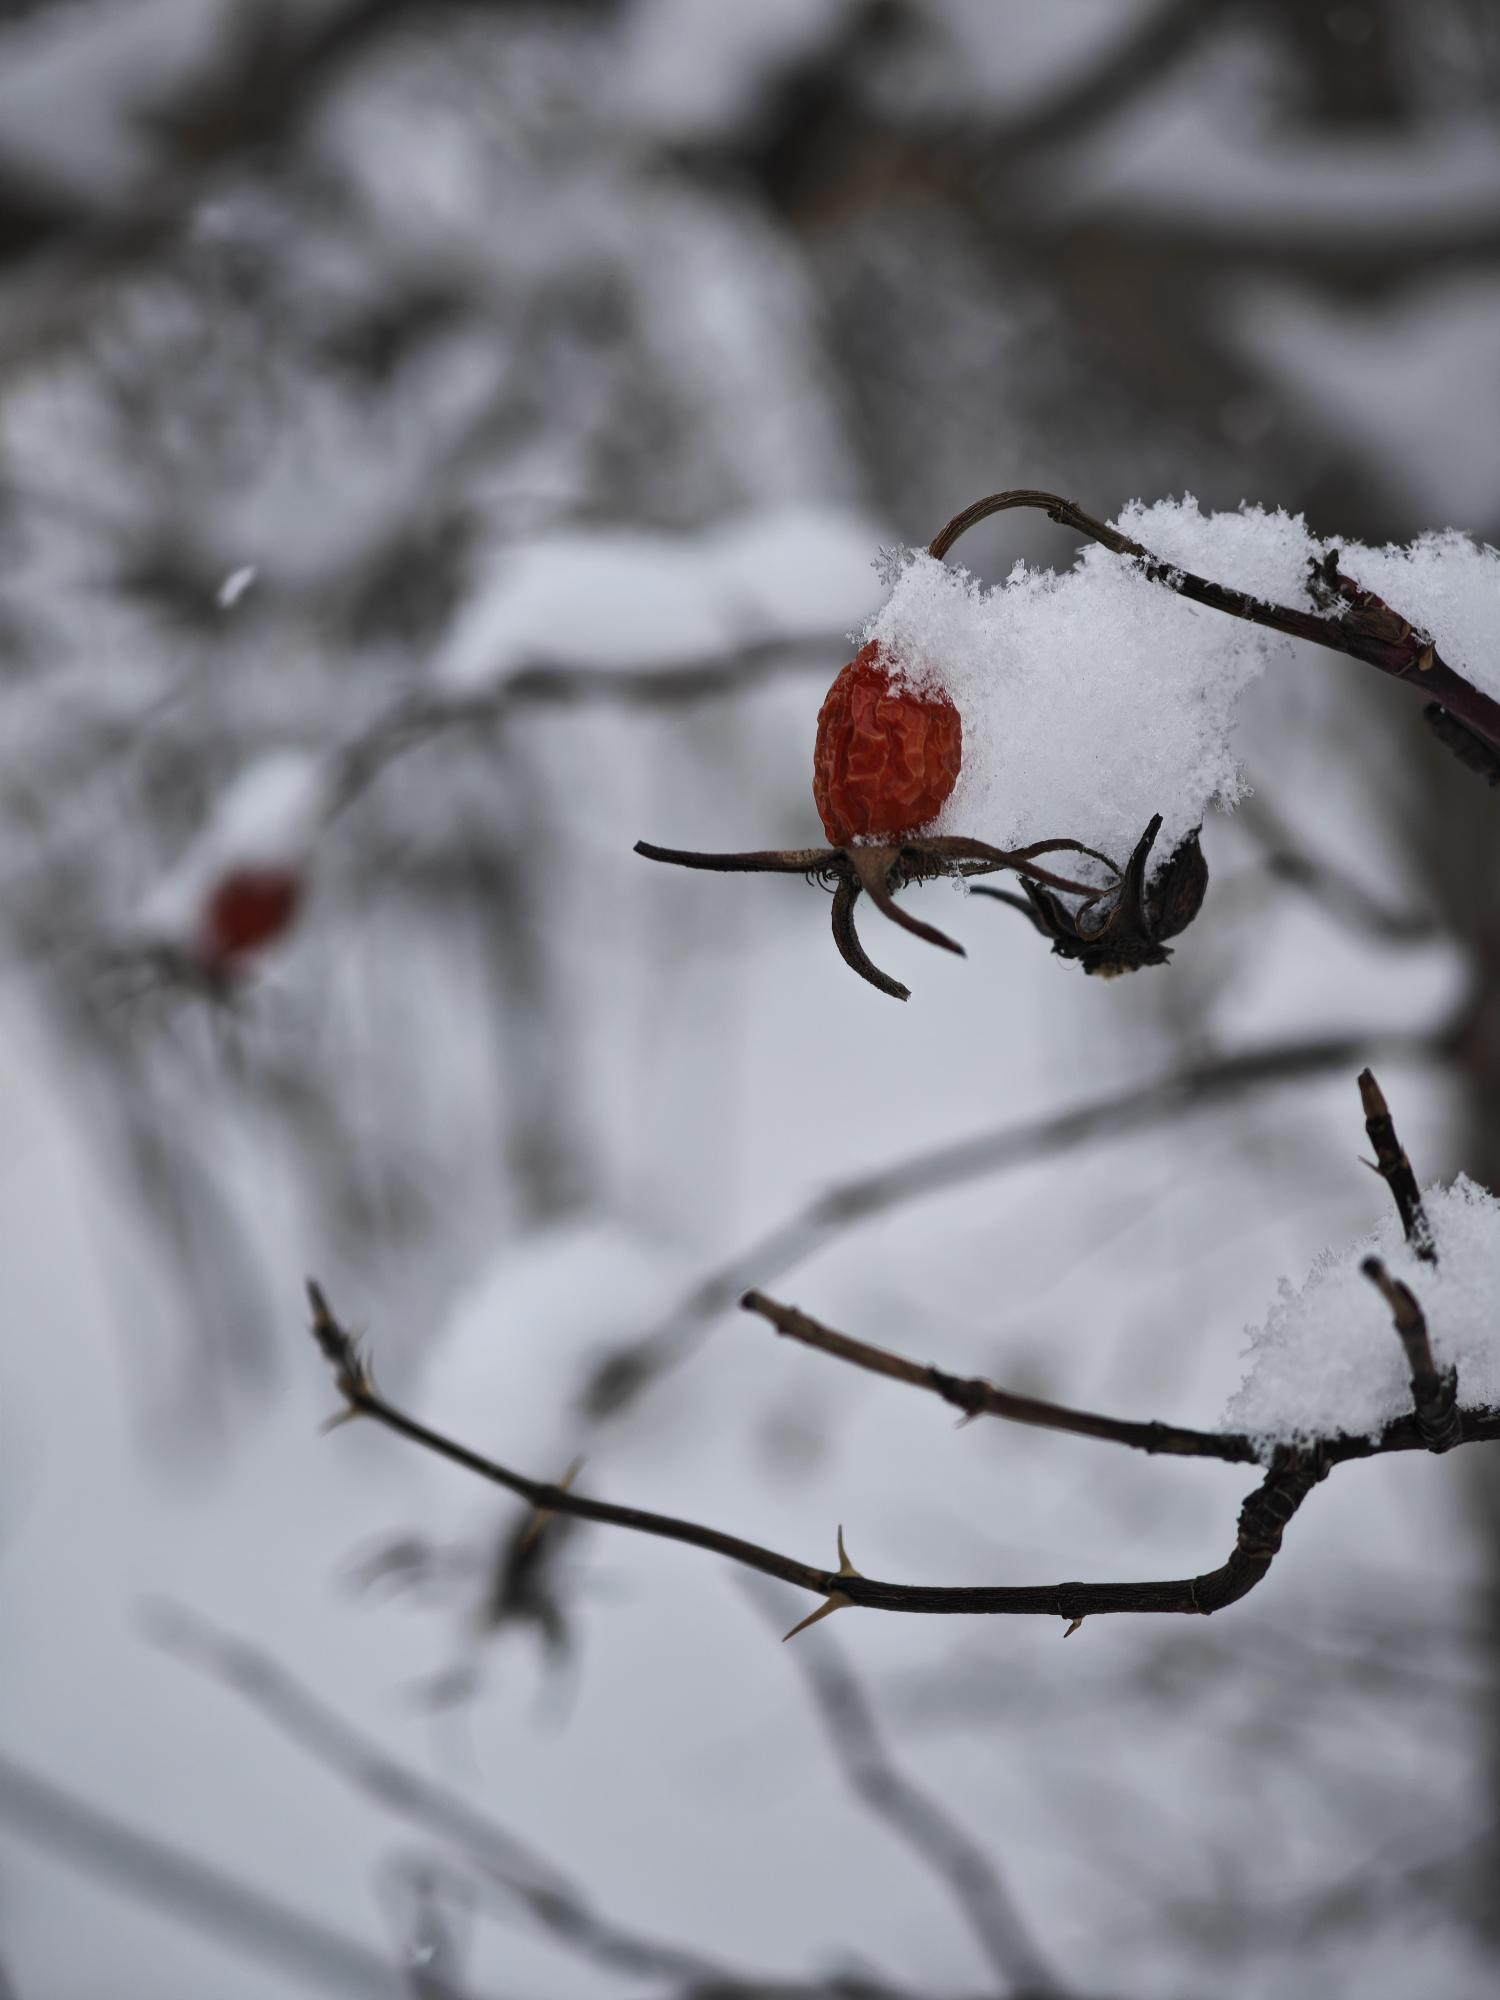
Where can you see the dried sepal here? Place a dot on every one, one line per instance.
(1126, 926)
(881, 873)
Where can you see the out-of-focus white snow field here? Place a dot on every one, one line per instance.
(688, 1788)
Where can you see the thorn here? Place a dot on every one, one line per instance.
(1072, 1628)
(1374, 1169)
(835, 1601)
(348, 1415)
(540, 1516)
(846, 1568)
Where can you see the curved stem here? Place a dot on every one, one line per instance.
(1400, 653)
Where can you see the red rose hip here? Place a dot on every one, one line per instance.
(247, 909)
(886, 757)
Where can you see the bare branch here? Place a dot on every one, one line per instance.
(1344, 898)
(977, 1397)
(1292, 1475)
(1434, 1390)
(188, 1889)
(915, 1816)
(501, 1858)
(1394, 1168)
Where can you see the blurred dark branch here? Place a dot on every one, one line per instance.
(273, 66)
(416, 718)
(1348, 901)
(823, 147)
(498, 1857)
(977, 1397)
(1292, 1475)
(43, 1816)
(917, 1818)
(1140, 58)
(628, 1369)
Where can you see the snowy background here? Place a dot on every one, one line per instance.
(440, 445)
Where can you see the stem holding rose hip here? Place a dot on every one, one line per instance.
(891, 738)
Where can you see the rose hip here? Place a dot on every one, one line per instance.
(886, 758)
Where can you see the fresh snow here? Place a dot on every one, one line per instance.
(1328, 1358)
(1095, 698)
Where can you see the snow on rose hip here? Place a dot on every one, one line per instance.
(887, 754)
(1098, 696)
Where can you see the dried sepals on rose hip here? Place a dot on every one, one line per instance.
(887, 754)
(1127, 927)
(887, 758)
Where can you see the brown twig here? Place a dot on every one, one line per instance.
(1395, 1170)
(1292, 1475)
(1364, 628)
(977, 1397)
(1434, 1390)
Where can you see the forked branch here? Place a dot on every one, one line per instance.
(1435, 1424)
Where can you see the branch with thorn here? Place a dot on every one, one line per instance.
(1435, 1424)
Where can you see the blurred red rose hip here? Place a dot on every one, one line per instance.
(248, 909)
(886, 757)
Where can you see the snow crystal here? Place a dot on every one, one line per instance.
(1093, 699)
(626, 599)
(1328, 1359)
(1096, 698)
(1449, 586)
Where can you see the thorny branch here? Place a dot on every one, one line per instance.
(976, 1397)
(1292, 1473)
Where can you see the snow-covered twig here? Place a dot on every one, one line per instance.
(1364, 628)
